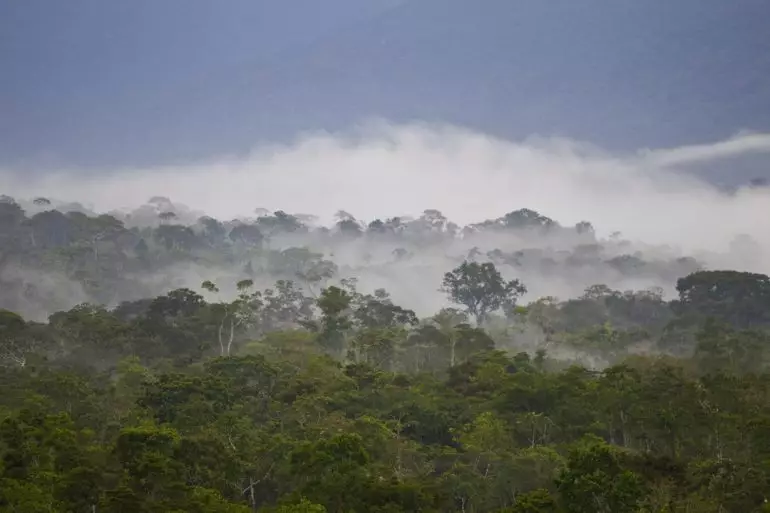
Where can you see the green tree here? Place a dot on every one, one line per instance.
(595, 481)
(481, 289)
(239, 315)
(334, 304)
(739, 298)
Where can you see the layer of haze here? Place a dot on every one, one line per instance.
(381, 170)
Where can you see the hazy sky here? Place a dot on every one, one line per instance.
(98, 85)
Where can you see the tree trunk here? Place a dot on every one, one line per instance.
(219, 335)
(252, 497)
(232, 335)
(623, 435)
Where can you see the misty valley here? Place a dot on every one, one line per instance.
(158, 359)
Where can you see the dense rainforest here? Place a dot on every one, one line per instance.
(160, 360)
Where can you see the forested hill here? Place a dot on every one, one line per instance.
(279, 382)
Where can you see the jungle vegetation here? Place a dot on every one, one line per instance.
(273, 379)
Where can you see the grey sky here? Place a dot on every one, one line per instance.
(102, 84)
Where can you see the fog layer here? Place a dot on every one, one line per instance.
(383, 170)
(379, 171)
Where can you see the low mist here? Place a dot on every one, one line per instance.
(650, 204)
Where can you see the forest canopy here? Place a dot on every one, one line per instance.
(161, 360)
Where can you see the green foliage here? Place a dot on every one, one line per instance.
(739, 298)
(303, 506)
(595, 481)
(309, 397)
(481, 289)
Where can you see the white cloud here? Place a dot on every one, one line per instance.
(390, 170)
(740, 145)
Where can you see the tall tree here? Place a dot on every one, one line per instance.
(481, 289)
(740, 298)
(237, 315)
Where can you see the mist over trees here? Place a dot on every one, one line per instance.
(54, 255)
(162, 360)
